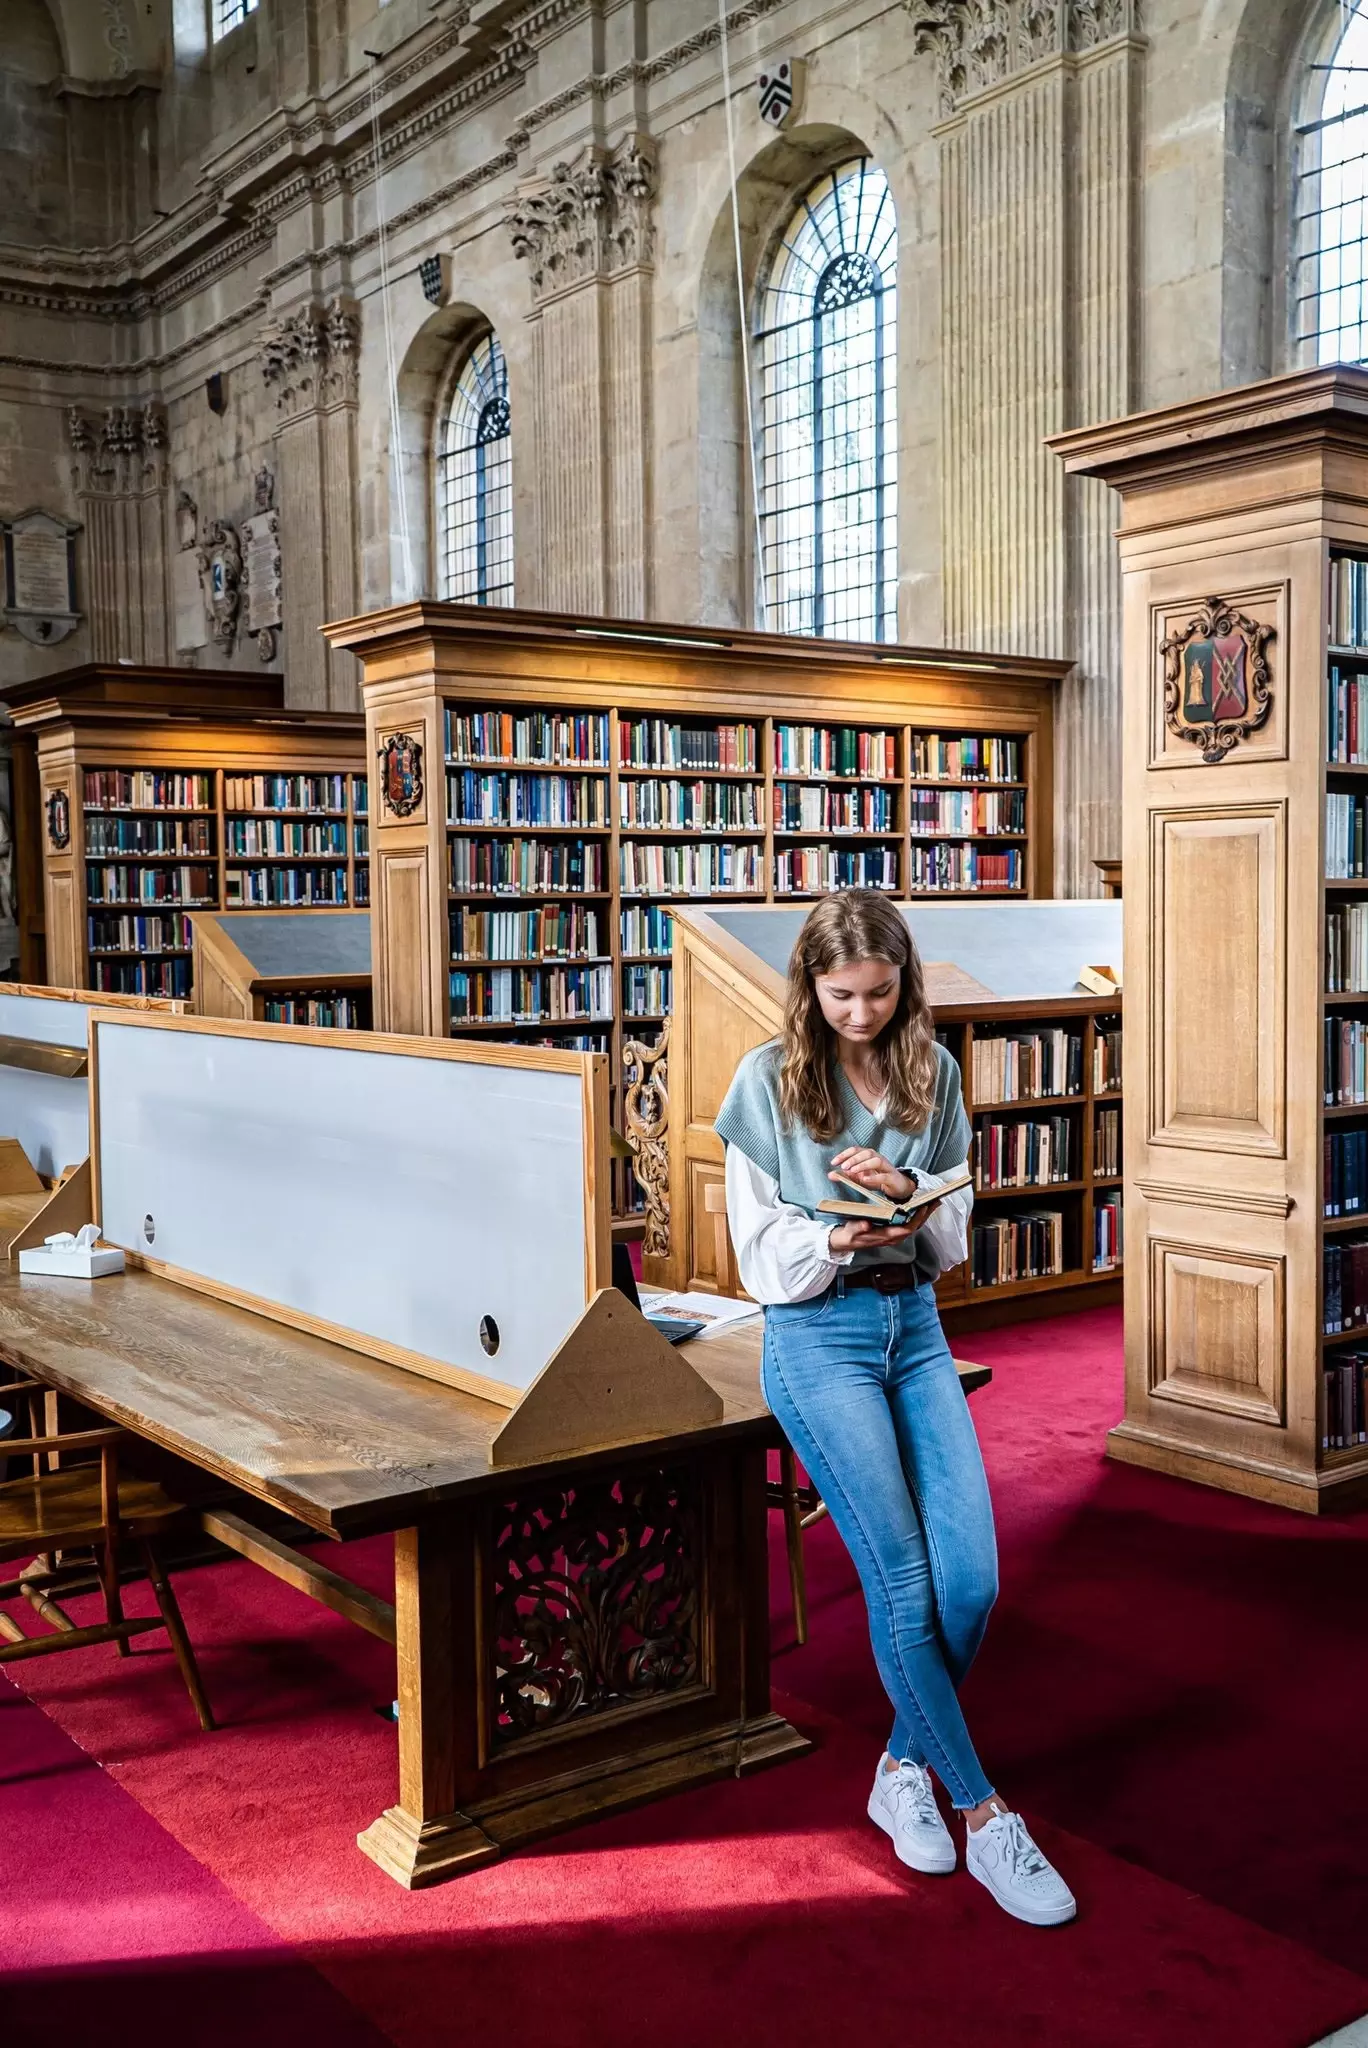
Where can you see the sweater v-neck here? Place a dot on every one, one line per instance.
(863, 1123)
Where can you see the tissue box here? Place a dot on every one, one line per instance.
(72, 1262)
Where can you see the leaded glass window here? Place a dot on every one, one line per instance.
(228, 13)
(826, 366)
(1331, 313)
(475, 483)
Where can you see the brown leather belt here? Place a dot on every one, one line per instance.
(884, 1279)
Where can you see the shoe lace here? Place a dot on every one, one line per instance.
(912, 1787)
(1018, 1848)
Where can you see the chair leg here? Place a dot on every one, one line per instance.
(793, 1531)
(107, 1564)
(180, 1641)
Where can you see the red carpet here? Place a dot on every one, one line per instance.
(1145, 1687)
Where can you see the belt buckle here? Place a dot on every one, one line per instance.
(888, 1280)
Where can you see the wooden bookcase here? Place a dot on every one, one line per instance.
(309, 967)
(582, 777)
(730, 998)
(157, 792)
(1244, 504)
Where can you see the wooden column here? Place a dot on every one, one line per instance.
(1230, 511)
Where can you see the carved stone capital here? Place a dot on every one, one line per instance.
(122, 453)
(978, 43)
(309, 357)
(590, 219)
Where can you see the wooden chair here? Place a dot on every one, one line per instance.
(800, 1501)
(74, 1507)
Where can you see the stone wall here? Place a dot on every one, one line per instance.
(1091, 219)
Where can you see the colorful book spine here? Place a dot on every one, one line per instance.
(818, 750)
(551, 739)
(820, 870)
(712, 869)
(965, 757)
(646, 928)
(1022, 1155)
(284, 888)
(520, 995)
(645, 991)
(799, 807)
(326, 793)
(697, 806)
(1027, 1246)
(503, 799)
(147, 789)
(960, 869)
(1027, 1065)
(563, 932)
(197, 886)
(663, 743)
(527, 867)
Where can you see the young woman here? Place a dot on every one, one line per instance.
(856, 1367)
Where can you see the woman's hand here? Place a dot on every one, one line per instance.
(872, 1170)
(859, 1237)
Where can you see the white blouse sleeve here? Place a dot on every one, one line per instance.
(947, 1232)
(781, 1253)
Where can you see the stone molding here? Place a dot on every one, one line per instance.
(979, 43)
(118, 454)
(308, 358)
(590, 219)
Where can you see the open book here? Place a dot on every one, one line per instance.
(872, 1208)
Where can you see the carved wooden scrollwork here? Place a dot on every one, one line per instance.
(596, 1597)
(646, 1115)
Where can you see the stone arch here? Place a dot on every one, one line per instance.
(426, 376)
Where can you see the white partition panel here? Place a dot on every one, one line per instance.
(402, 1196)
(47, 1113)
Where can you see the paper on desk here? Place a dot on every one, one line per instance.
(717, 1311)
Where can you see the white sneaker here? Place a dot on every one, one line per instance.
(904, 1806)
(1002, 1856)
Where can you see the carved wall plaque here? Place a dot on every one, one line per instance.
(220, 568)
(1216, 679)
(40, 576)
(261, 567)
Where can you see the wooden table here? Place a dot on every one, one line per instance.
(572, 1637)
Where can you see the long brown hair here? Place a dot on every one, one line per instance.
(858, 924)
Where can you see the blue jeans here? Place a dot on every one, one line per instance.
(864, 1388)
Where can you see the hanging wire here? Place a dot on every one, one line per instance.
(745, 325)
(396, 442)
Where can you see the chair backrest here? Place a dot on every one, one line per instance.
(715, 1205)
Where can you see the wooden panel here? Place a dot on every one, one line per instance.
(405, 966)
(723, 1026)
(1218, 1330)
(1219, 1004)
(65, 952)
(702, 1227)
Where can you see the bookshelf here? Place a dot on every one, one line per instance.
(1247, 904)
(595, 775)
(154, 797)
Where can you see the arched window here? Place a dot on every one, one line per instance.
(826, 362)
(475, 483)
(1332, 203)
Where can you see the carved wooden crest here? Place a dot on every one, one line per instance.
(401, 773)
(1216, 679)
(59, 820)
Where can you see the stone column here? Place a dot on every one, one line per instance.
(309, 362)
(1039, 173)
(587, 237)
(121, 475)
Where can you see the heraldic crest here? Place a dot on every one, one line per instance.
(1216, 679)
(401, 773)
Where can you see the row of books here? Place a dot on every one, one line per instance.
(961, 867)
(527, 867)
(567, 930)
(839, 750)
(798, 808)
(147, 789)
(513, 995)
(153, 977)
(294, 887)
(339, 1011)
(549, 739)
(289, 837)
(1346, 949)
(968, 810)
(646, 928)
(159, 932)
(1345, 1284)
(195, 885)
(1346, 720)
(286, 793)
(1346, 1060)
(1346, 836)
(1023, 1155)
(709, 806)
(1348, 622)
(1344, 1410)
(1107, 1245)
(504, 799)
(360, 887)
(564, 1041)
(1027, 1246)
(971, 757)
(645, 991)
(1346, 1172)
(710, 869)
(361, 837)
(815, 870)
(149, 835)
(1026, 1065)
(1106, 1059)
(1107, 1143)
(665, 743)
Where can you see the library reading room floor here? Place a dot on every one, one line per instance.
(1171, 1689)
